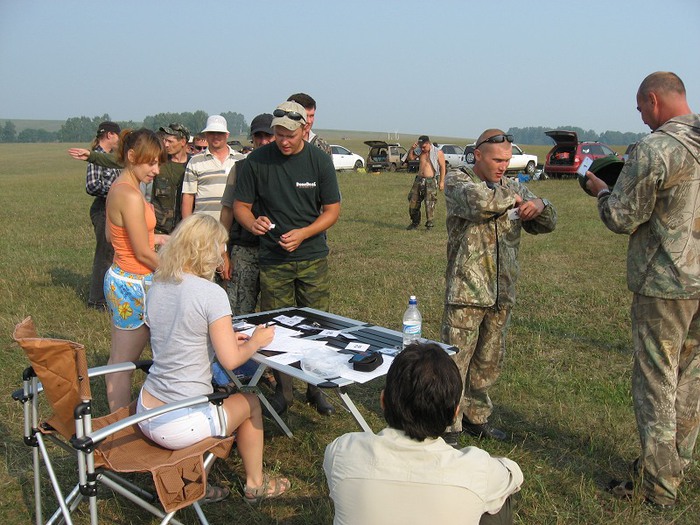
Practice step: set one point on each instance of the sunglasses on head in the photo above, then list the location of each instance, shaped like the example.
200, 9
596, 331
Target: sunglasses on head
291, 114
496, 139
179, 129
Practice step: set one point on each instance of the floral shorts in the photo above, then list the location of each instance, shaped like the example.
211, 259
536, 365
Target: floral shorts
126, 296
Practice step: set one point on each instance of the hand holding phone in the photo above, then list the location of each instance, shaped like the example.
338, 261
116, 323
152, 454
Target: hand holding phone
584, 167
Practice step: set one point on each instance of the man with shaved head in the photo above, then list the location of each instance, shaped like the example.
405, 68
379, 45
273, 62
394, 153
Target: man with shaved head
656, 201
486, 213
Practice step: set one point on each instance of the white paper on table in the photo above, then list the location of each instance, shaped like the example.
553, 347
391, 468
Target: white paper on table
357, 347
308, 327
294, 349
329, 333
363, 377
289, 321
280, 331
347, 335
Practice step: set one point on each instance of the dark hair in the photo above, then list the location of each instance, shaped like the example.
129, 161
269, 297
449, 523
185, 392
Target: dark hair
146, 145
423, 389
303, 99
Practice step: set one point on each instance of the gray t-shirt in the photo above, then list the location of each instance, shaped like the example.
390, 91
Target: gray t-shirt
179, 315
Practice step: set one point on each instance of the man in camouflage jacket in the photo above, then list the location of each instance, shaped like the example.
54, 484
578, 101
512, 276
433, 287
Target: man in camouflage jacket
309, 136
656, 200
485, 216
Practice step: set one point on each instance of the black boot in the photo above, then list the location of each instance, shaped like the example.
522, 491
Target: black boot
317, 400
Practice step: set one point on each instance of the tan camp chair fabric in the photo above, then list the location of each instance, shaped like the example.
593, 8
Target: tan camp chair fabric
56, 363
61, 366
178, 475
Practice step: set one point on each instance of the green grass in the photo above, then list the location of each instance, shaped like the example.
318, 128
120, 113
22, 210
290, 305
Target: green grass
564, 394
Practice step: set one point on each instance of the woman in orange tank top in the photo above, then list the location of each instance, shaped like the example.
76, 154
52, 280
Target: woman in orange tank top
130, 228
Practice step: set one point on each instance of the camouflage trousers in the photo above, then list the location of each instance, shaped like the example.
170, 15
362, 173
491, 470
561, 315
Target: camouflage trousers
422, 190
480, 335
665, 390
244, 287
303, 283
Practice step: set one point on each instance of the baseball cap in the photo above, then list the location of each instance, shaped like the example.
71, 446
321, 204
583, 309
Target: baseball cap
177, 130
290, 115
216, 124
606, 169
423, 138
262, 122
108, 125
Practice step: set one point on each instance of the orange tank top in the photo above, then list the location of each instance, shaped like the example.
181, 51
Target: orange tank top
123, 252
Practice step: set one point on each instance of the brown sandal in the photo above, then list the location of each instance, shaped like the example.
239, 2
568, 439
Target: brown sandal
254, 495
214, 494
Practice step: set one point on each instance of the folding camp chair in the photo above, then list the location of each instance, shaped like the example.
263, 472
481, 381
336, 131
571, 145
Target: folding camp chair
106, 445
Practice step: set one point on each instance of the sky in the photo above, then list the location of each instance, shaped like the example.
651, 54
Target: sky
444, 68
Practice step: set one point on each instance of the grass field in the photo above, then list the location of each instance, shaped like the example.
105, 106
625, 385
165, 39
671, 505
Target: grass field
564, 396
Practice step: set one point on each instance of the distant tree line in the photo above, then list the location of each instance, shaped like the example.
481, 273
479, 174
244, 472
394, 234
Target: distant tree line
535, 135
82, 129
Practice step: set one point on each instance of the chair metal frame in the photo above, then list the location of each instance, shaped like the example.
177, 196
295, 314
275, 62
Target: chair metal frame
84, 443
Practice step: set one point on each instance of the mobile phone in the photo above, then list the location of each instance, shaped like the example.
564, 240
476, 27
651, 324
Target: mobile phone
584, 167
357, 358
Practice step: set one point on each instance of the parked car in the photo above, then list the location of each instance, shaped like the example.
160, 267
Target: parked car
469, 153
454, 155
520, 162
565, 157
385, 156
344, 159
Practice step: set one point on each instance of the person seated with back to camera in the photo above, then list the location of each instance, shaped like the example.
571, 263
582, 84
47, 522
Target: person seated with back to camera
190, 320
407, 473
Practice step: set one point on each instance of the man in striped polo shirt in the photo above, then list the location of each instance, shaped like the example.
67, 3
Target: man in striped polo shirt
206, 172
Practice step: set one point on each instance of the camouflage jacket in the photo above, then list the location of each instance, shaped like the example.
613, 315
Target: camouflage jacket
483, 242
657, 201
321, 144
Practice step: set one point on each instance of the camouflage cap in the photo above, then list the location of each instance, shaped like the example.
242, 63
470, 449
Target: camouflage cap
176, 130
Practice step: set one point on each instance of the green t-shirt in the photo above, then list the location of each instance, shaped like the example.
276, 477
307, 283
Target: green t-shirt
167, 195
290, 191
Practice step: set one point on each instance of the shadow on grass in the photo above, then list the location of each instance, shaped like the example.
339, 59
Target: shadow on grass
560, 333
593, 456
69, 279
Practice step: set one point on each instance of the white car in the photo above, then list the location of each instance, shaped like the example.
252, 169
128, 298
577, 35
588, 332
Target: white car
454, 155
344, 159
521, 162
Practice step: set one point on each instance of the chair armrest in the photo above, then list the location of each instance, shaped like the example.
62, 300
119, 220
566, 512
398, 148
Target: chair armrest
128, 366
90, 441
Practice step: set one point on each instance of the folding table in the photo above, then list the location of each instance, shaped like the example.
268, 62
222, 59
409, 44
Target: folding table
376, 337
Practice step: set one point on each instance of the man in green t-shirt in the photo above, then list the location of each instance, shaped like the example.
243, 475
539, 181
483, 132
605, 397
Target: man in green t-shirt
295, 192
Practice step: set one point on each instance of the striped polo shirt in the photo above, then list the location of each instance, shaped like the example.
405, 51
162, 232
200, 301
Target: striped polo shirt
205, 177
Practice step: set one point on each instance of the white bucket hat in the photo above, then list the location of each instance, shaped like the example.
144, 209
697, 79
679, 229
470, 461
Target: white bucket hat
216, 124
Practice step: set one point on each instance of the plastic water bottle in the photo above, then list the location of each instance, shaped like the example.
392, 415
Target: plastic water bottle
412, 322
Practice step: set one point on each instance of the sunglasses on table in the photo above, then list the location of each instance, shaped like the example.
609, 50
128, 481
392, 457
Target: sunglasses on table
291, 114
496, 139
